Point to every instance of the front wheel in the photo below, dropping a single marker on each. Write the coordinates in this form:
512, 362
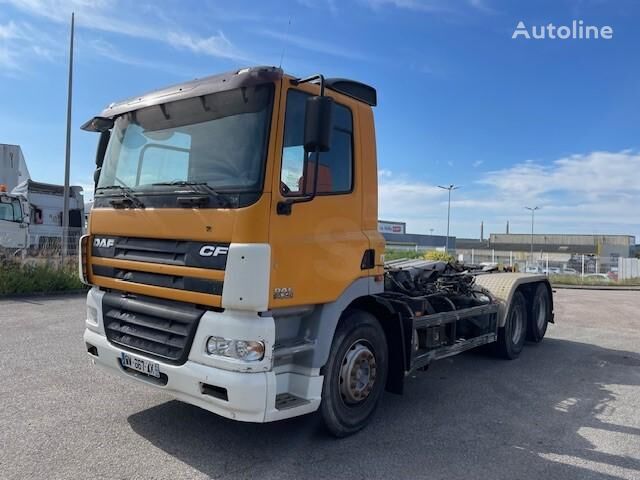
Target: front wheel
511, 337
355, 374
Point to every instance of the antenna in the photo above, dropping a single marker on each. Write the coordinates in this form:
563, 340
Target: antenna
284, 42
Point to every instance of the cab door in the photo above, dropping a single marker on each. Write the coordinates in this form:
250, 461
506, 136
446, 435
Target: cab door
317, 248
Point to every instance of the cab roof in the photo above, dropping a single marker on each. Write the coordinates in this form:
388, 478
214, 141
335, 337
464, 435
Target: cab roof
243, 77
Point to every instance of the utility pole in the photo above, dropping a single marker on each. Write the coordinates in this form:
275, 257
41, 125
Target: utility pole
67, 158
533, 210
450, 188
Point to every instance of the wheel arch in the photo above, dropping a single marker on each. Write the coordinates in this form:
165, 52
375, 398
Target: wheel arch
529, 290
504, 285
397, 334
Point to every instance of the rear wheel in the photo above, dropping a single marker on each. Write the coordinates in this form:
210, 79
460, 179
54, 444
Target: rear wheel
511, 337
355, 374
540, 314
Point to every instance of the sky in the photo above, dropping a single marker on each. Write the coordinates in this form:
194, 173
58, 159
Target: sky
514, 122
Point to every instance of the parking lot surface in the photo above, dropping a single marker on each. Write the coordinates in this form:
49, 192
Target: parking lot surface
568, 408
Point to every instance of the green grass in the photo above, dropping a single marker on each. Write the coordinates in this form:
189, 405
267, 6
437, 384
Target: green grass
397, 254
425, 255
20, 279
578, 280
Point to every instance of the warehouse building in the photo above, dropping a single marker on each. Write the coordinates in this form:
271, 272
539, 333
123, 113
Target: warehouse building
602, 251
600, 245
397, 238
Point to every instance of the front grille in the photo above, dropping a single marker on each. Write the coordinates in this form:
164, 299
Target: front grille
165, 251
160, 280
158, 328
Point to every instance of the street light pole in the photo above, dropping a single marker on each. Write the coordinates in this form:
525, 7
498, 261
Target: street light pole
533, 210
450, 188
67, 157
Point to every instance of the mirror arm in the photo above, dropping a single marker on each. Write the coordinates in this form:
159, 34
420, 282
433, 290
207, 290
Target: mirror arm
317, 76
284, 206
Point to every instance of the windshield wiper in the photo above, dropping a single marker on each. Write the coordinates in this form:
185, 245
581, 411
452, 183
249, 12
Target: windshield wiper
201, 187
128, 197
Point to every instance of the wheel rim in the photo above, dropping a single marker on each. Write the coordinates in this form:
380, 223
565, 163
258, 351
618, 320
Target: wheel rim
542, 312
357, 373
517, 324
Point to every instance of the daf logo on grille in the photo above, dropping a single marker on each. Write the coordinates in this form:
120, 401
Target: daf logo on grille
104, 242
212, 251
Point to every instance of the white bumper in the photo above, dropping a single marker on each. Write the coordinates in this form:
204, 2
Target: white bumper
250, 388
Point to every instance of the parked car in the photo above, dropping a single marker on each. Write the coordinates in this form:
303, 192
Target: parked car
599, 277
569, 271
551, 271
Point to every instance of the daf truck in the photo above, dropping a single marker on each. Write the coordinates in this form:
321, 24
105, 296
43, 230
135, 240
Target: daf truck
235, 261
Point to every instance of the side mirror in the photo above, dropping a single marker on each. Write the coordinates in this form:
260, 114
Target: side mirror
26, 219
317, 124
102, 147
96, 176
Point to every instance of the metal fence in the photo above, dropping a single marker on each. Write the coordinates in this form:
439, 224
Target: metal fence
564, 267
45, 246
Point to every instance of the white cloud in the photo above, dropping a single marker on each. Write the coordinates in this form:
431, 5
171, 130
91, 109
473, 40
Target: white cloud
403, 198
597, 192
107, 50
482, 5
421, 5
19, 41
216, 45
114, 17
593, 174
477, 163
312, 45
432, 6
9, 31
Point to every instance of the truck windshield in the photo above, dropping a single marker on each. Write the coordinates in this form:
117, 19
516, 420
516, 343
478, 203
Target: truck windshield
219, 140
10, 210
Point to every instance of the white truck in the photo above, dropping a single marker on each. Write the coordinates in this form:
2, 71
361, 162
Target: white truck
31, 217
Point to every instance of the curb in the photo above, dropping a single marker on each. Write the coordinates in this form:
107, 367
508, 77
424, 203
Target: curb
597, 287
55, 293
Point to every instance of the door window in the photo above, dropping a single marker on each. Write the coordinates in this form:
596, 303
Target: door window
335, 168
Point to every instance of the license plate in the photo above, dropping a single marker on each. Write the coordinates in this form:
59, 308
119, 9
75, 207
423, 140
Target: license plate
140, 365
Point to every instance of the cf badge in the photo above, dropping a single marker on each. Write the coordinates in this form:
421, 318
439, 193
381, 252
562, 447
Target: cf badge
211, 251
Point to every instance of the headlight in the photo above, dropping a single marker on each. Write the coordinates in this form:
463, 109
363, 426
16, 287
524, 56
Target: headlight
247, 350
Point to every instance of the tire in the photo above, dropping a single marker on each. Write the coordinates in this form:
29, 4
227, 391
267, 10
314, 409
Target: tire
540, 314
511, 337
358, 354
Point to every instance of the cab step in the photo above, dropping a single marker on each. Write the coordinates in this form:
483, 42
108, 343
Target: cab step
285, 401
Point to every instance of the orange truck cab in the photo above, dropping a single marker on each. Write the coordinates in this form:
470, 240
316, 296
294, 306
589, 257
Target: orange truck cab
234, 257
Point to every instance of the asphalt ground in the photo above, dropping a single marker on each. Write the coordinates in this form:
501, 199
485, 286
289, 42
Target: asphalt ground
568, 408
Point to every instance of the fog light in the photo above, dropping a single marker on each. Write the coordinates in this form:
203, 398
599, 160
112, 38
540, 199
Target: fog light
247, 350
